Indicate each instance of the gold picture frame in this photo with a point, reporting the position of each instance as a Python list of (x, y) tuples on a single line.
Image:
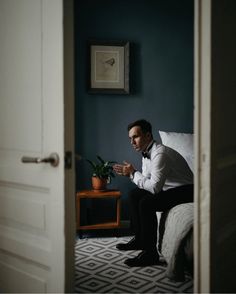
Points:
[(108, 67)]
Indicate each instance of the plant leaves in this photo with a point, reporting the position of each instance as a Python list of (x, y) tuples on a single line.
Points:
[(100, 159), (102, 168)]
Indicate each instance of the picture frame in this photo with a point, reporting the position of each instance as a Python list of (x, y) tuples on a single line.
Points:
[(108, 67)]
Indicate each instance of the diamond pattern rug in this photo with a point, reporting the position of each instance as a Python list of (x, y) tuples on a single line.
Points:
[(100, 268)]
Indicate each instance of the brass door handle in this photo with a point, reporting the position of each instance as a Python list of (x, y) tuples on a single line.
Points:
[(53, 159)]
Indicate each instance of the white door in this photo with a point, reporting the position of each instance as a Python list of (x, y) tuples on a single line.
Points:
[(32, 231)]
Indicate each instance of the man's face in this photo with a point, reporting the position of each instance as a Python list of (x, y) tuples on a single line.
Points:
[(138, 139)]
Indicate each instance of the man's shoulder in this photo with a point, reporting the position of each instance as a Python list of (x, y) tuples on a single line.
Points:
[(158, 148)]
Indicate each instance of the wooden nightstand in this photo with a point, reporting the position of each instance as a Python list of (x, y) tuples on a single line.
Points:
[(96, 195)]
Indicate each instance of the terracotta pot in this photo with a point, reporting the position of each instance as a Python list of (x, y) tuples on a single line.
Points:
[(98, 183)]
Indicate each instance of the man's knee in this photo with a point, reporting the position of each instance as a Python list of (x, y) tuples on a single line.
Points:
[(132, 197), (147, 204), (133, 192), (136, 193)]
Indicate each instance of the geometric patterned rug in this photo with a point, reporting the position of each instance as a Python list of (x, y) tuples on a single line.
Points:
[(100, 268)]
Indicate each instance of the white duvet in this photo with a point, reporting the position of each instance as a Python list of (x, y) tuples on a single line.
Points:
[(178, 226)]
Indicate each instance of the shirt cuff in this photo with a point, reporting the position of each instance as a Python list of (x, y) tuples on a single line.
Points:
[(132, 175)]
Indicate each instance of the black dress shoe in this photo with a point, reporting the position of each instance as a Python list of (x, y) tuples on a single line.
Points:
[(131, 245), (145, 258)]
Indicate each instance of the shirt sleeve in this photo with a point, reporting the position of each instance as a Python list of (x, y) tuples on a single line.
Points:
[(154, 177)]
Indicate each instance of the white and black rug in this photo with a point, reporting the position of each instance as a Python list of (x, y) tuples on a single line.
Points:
[(100, 268)]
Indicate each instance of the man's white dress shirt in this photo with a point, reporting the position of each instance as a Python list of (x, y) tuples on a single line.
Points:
[(164, 169)]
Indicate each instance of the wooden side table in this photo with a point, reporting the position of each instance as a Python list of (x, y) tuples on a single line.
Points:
[(96, 195)]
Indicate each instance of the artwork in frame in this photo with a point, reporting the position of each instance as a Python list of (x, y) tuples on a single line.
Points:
[(108, 67)]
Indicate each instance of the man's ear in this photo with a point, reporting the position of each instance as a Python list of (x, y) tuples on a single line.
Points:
[(149, 135)]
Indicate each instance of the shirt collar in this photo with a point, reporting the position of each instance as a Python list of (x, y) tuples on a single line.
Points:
[(146, 153)]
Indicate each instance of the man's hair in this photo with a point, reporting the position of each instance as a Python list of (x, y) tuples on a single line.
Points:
[(145, 126)]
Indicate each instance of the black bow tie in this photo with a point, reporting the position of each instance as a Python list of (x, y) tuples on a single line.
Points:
[(146, 155)]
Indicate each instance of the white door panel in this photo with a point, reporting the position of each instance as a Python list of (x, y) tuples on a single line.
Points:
[(21, 80), (32, 231)]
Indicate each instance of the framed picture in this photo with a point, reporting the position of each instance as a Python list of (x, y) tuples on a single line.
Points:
[(108, 67)]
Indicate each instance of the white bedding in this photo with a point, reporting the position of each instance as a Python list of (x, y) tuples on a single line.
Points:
[(179, 220), (178, 223)]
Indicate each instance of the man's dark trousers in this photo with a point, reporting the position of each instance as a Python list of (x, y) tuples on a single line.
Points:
[(143, 208)]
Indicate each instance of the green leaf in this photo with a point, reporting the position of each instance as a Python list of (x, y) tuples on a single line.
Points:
[(100, 159), (102, 168), (93, 164)]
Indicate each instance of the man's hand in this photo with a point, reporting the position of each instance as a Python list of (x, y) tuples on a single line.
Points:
[(125, 169)]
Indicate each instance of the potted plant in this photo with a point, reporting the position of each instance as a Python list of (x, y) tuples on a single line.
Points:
[(102, 173)]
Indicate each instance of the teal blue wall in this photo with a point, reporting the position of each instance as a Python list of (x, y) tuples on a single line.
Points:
[(161, 78)]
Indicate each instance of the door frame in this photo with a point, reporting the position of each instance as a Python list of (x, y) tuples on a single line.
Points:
[(202, 144), (69, 134)]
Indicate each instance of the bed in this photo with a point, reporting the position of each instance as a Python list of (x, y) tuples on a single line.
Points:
[(175, 230)]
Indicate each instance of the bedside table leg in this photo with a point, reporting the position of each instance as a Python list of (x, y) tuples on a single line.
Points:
[(118, 212), (78, 213)]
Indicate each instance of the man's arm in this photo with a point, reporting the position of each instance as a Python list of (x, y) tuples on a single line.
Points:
[(155, 178), (156, 175)]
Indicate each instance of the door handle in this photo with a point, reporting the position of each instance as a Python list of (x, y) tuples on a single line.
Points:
[(53, 159)]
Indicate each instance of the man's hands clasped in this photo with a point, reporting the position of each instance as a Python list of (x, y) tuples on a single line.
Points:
[(125, 169)]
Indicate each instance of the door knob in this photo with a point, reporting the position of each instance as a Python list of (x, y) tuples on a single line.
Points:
[(53, 159)]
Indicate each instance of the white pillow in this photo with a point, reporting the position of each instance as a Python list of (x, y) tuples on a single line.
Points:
[(182, 143)]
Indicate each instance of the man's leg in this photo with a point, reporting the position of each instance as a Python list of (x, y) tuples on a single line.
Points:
[(167, 199), (145, 219), (148, 205), (163, 201), (135, 196)]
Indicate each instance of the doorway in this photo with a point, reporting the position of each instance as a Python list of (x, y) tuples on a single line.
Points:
[(150, 79)]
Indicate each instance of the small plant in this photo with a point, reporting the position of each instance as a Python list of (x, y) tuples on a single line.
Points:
[(102, 169)]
